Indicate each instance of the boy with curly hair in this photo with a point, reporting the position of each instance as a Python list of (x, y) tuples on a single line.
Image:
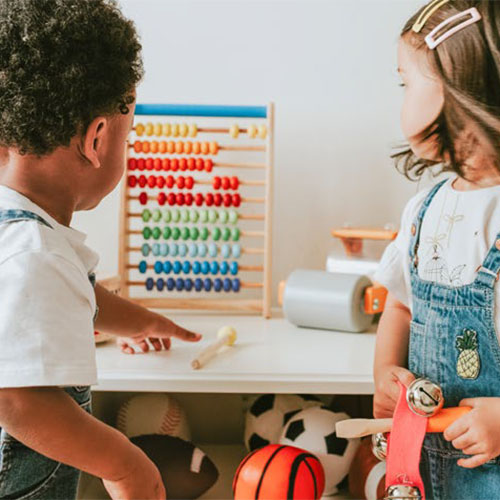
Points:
[(68, 73)]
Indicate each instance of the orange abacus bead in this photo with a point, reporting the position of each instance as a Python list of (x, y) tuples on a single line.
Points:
[(137, 146), (196, 148), (179, 147), (154, 147), (214, 148), (162, 147), (145, 147), (171, 147), (205, 148), (188, 147)]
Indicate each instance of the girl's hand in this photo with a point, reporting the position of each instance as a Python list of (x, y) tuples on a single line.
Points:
[(387, 389), (158, 331), (477, 433)]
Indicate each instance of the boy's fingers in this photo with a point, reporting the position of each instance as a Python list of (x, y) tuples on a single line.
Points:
[(457, 428), (405, 376), (167, 343), (144, 346), (475, 449), (156, 344), (474, 461), (463, 441), (186, 335)]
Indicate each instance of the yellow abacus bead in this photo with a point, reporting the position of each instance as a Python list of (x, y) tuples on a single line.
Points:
[(205, 148), (196, 148), (175, 129), (166, 130), (171, 147), (145, 147), (162, 147), (262, 131), (179, 147), (252, 131), (149, 128), (234, 131), (188, 147), (139, 129), (214, 148), (183, 130), (193, 130), (157, 129)]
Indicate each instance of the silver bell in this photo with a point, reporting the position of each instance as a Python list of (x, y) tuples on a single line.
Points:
[(424, 397), (379, 445), (402, 492)]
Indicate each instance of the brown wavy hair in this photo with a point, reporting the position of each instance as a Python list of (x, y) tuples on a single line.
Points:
[(468, 64)]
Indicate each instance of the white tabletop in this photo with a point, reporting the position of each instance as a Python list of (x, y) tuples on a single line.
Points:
[(270, 356)]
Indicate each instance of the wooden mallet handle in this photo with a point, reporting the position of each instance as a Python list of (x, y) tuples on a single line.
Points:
[(226, 336)]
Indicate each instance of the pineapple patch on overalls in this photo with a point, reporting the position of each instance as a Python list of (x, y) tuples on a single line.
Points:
[(468, 361)]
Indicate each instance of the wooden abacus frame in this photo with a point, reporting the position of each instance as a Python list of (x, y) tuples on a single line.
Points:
[(265, 115)]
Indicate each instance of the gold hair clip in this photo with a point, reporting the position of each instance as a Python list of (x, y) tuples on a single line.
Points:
[(427, 13)]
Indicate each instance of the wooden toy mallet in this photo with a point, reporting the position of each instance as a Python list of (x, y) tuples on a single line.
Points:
[(226, 336)]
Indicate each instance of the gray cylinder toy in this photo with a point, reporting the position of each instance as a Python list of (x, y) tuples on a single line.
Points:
[(330, 301)]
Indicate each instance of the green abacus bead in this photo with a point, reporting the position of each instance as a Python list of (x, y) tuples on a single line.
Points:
[(235, 233), (204, 233), (194, 233), (226, 233), (216, 233), (212, 216), (156, 233), (203, 216), (167, 232), (146, 215), (233, 216), (185, 233), (193, 216), (176, 215), (167, 216), (176, 233), (223, 216), (157, 215), (146, 233), (185, 215)]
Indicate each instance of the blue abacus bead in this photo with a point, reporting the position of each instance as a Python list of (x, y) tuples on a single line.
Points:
[(226, 233), (157, 215), (236, 285), (185, 215), (233, 268), (193, 250), (223, 216), (160, 284), (143, 266), (164, 249), (225, 251), (188, 284), (196, 267), (212, 250), (150, 284), (155, 249), (217, 285), (175, 215), (207, 284), (183, 249), (216, 233), (145, 249), (177, 267), (205, 267), (179, 284), (186, 267), (227, 285), (236, 251), (214, 267), (224, 267), (173, 249), (158, 267), (176, 233), (202, 249), (198, 284), (167, 267), (170, 284)]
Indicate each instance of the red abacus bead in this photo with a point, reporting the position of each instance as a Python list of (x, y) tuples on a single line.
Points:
[(141, 164), (225, 183), (132, 181), (151, 181), (216, 182), (180, 182), (236, 200), (209, 199), (180, 199), (191, 163), (160, 181), (143, 198), (217, 199), (198, 199), (142, 181), (149, 164), (189, 182), (235, 183), (188, 199), (227, 200), (162, 198), (170, 181), (165, 163), (157, 164), (132, 163), (183, 164), (174, 164), (199, 164), (171, 199), (209, 165)]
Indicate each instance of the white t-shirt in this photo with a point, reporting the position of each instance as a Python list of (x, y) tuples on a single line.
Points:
[(458, 230), (47, 302)]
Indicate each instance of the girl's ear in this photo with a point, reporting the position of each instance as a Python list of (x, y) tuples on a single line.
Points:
[(93, 139)]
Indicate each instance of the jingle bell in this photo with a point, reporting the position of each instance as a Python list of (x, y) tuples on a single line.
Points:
[(424, 397), (402, 492), (379, 445)]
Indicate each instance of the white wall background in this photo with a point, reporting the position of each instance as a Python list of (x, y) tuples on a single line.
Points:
[(330, 67)]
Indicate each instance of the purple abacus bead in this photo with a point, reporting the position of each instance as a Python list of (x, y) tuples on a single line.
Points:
[(207, 284), (160, 284), (150, 284), (227, 285), (170, 284), (198, 284), (236, 285), (217, 285), (179, 284), (188, 284)]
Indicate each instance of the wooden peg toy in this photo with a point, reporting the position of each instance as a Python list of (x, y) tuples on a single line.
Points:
[(225, 336)]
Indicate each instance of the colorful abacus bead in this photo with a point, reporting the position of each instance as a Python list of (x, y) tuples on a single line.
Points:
[(145, 249), (233, 268), (160, 284), (167, 267), (143, 266), (167, 232), (202, 249), (177, 267), (155, 249), (143, 198), (236, 285), (188, 284), (205, 267), (252, 131), (198, 284), (212, 250), (170, 284), (158, 267), (186, 267), (207, 284), (150, 284), (173, 249), (139, 129), (235, 234), (236, 251), (196, 267), (183, 249), (217, 285), (193, 250), (176, 233), (156, 215), (227, 285), (234, 131), (226, 233)]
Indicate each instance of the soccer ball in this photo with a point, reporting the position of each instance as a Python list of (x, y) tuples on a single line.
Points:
[(313, 430), (269, 413)]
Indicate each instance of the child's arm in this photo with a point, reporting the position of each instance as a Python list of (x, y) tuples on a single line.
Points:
[(391, 354)]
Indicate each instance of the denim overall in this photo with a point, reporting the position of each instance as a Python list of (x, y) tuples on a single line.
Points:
[(24, 473), (444, 319)]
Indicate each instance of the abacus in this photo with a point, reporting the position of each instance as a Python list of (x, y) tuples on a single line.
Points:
[(195, 225)]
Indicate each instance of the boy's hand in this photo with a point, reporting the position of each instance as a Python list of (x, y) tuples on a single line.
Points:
[(158, 331), (387, 389), (477, 433)]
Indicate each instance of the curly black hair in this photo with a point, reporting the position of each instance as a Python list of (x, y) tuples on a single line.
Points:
[(62, 64)]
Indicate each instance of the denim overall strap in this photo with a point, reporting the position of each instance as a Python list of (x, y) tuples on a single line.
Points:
[(417, 225), (488, 272), (14, 215)]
